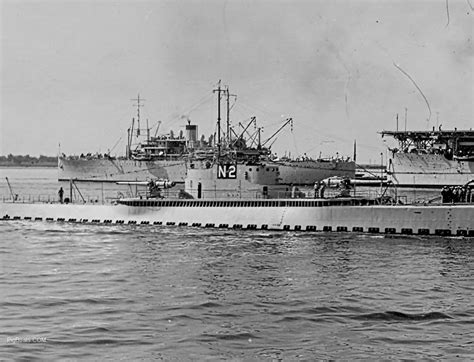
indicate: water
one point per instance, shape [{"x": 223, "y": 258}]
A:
[{"x": 72, "y": 291}]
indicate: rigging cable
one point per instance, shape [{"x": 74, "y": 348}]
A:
[
  {"x": 115, "y": 145},
  {"x": 196, "y": 105}
]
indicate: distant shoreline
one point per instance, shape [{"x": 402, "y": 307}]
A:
[
  {"x": 28, "y": 161},
  {"x": 28, "y": 166}
]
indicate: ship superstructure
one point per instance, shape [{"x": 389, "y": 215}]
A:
[
  {"x": 146, "y": 156},
  {"x": 168, "y": 156},
  {"x": 431, "y": 159}
]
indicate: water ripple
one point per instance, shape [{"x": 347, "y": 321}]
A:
[
  {"x": 400, "y": 316},
  {"x": 122, "y": 292}
]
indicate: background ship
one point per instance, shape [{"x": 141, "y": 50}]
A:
[
  {"x": 158, "y": 156},
  {"x": 167, "y": 156},
  {"x": 250, "y": 196},
  {"x": 431, "y": 159},
  {"x": 307, "y": 171}
]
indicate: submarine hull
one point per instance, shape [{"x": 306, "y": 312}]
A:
[{"x": 390, "y": 219}]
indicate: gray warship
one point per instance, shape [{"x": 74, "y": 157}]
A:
[
  {"x": 229, "y": 195},
  {"x": 168, "y": 156},
  {"x": 431, "y": 159}
]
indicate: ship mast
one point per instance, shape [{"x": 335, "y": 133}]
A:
[
  {"x": 130, "y": 130},
  {"x": 228, "y": 116},
  {"x": 219, "y": 91},
  {"x": 138, "y": 105},
  {"x": 228, "y": 95}
]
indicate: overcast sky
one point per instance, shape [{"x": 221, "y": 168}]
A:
[{"x": 69, "y": 70}]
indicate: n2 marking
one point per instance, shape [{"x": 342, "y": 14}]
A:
[{"x": 226, "y": 171}]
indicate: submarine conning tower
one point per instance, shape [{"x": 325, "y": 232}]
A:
[{"x": 232, "y": 181}]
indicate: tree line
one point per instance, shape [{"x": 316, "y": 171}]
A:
[{"x": 27, "y": 160}]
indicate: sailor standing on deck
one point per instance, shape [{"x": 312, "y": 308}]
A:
[
  {"x": 61, "y": 194},
  {"x": 321, "y": 190},
  {"x": 317, "y": 186},
  {"x": 445, "y": 195}
]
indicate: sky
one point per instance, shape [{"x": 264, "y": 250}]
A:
[{"x": 342, "y": 70}]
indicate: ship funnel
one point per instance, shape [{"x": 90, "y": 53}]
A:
[{"x": 191, "y": 134}]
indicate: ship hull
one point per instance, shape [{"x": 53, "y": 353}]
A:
[
  {"x": 389, "y": 219},
  {"x": 113, "y": 170},
  {"x": 428, "y": 171},
  {"x": 308, "y": 172}
]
